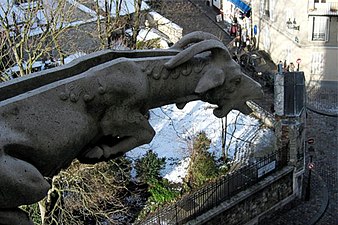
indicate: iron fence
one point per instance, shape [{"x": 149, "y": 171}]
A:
[{"x": 212, "y": 194}]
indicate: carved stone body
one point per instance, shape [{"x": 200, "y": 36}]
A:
[{"x": 98, "y": 113}]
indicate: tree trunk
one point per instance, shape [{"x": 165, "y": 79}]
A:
[
  {"x": 224, "y": 138},
  {"x": 136, "y": 19}
]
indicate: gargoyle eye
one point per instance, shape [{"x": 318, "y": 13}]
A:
[{"x": 236, "y": 80}]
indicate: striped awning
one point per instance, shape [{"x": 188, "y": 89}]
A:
[{"x": 241, "y": 5}]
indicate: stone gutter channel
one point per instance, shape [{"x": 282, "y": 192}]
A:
[{"x": 266, "y": 117}]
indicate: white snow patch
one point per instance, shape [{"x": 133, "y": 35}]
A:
[
  {"x": 179, "y": 172},
  {"x": 175, "y": 130},
  {"x": 82, "y": 7},
  {"x": 127, "y": 7},
  {"x": 150, "y": 34},
  {"x": 76, "y": 55}
]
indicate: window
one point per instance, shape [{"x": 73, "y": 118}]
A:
[
  {"x": 267, "y": 9},
  {"x": 320, "y": 29},
  {"x": 317, "y": 63}
]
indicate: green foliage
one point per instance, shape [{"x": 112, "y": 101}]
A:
[
  {"x": 202, "y": 166},
  {"x": 201, "y": 143},
  {"x": 161, "y": 191},
  {"x": 202, "y": 169},
  {"x": 149, "y": 166}
]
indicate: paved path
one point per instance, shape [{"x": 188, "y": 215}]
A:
[
  {"x": 191, "y": 17},
  {"x": 324, "y": 101},
  {"x": 324, "y": 129}
]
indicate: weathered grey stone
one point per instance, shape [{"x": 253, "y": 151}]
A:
[{"x": 94, "y": 109}]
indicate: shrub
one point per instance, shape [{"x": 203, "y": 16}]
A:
[
  {"x": 201, "y": 143},
  {"x": 149, "y": 167},
  {"x": 202, "y": 165},
  {"x": 161, "y": 191}
]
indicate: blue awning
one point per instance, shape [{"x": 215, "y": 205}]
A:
[{"x": 241, "y": 5}]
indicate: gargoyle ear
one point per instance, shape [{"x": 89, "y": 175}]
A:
[{"x": 212, "y": 78}]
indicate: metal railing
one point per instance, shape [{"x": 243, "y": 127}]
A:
[{"x": 212, "y": 194}]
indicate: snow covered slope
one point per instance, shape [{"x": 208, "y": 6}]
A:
[{"x": 176, "y": 128}]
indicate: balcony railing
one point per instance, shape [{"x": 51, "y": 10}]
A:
[{"x": 329, "y": 9}]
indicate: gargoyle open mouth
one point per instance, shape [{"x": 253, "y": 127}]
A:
[
  {"x": 101, "y": 149},
  {"x": 222, "y": 111}
]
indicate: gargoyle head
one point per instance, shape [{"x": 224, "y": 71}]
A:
[
  {"x": 229, "y": 89},
  {"x": 222, "y": 82}
]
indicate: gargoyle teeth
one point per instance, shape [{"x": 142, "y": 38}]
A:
[
  {"x": 107, "y": 151},
  {"x": 94, "y": 153},
  {"x": 221, "y": 112},
  {"x": 181, "y": 105}
]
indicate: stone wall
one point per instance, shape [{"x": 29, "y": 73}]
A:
[
  {"x": 290, "y": 123},
  {"x": 247, "y": 206}
]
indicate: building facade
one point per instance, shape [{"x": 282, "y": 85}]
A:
[{"x": 304, "y": 33}]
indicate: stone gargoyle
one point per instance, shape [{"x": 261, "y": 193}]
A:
[{"x": 94, "y": 108}]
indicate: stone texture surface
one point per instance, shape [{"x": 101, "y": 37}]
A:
[
  {"x": 94, "y": 109},
  {"x": 259, "y": 198}
]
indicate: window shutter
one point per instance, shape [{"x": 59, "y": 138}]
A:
[
  {"x": 310, "y": 28},
  {"x": 272, "y": 9},
  {"x": 327, "y": 29}
]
